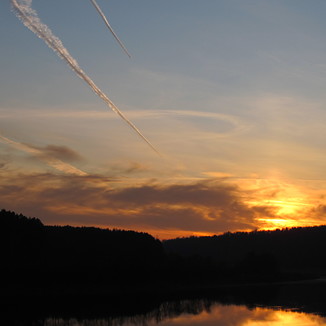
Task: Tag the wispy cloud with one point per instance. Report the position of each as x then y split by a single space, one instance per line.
49 155
58 152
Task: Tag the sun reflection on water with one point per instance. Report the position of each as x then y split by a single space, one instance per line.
233 315
288 318
202 315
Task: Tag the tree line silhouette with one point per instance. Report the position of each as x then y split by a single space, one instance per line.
36 255
281 254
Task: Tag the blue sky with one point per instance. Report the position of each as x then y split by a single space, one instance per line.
228 91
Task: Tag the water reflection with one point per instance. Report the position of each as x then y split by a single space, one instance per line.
202 313
243 316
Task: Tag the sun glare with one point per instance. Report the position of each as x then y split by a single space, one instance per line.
282 204
276 223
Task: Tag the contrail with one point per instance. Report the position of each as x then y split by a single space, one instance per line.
109 26
51 161
29 18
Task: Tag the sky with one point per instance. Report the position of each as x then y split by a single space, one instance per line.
231 93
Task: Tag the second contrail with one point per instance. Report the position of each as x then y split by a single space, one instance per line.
30 19
97 7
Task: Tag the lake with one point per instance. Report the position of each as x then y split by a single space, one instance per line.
203 314
298 304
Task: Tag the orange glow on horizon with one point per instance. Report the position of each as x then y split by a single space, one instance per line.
283 204
204 207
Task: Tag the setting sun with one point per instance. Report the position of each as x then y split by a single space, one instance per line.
282 204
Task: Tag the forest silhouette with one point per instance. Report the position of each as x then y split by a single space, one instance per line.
37 256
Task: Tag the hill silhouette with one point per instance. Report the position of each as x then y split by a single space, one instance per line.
258 255
34 255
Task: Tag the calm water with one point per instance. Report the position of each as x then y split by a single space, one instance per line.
293 304
201 313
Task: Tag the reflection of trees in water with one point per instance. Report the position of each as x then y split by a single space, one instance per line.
166 310
226 315
77 322
301 298
174 309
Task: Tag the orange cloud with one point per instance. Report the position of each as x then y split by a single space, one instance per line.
204 207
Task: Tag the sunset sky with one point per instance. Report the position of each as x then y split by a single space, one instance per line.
232 93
